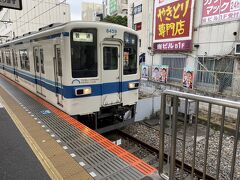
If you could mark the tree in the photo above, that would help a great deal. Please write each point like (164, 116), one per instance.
(116, 20)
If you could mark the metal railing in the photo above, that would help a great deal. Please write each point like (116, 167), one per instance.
(181, 151)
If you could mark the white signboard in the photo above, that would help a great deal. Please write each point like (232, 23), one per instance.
(11, 4)
(82, 37)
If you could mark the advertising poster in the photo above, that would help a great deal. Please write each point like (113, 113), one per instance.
(188, 75)
(125, 58)
(163, 74)
(155, 73)
(144, 72)
(173, 21)
(215, 11)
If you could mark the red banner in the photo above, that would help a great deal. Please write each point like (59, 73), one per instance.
(173, 25)
(217, 11)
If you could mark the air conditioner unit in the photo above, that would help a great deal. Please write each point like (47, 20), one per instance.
(237, 48)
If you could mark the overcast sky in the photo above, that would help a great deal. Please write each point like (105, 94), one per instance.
(75, 7)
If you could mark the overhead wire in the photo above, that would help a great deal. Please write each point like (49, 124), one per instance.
(43, 13)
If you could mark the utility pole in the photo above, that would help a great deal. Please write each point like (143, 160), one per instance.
(133, 27)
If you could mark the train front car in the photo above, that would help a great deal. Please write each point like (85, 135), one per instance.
(103, 74)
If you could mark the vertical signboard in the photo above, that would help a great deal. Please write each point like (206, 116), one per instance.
(113, 6)
(11, 4)
(173, 25)
(215, 11)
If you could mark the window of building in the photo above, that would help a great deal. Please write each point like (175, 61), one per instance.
(214, 71)
(8, 57)
(130, 54)
(176, 66)
(137, 9)
(110, 58)
(24, 59)
(84, 53)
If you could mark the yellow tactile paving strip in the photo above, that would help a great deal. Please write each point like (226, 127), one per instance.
(57, 162)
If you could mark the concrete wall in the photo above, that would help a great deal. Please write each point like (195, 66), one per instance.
(146, 107)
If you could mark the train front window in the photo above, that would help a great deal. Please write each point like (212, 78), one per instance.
(130, 54)
(84, 53)
(110, 58)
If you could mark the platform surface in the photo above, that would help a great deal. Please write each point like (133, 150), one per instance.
(17, 160)
(85, 154)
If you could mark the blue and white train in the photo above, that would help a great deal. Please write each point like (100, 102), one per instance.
(83, 68)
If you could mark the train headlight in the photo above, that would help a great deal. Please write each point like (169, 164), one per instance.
(83, 91)
(133, 85)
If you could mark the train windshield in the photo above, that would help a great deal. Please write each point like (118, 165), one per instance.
(130, 54)
(84, 53)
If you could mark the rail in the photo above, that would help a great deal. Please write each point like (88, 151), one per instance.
(179, 150)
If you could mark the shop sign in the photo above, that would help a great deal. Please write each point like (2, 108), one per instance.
(215, 11)
(113, 6)
(173, 25)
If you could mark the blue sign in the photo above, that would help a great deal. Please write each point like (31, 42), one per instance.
(45, 112)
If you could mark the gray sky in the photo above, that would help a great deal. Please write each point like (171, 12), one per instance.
(75, 7)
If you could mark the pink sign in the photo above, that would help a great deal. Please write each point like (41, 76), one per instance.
(215, 11)
(173, 46)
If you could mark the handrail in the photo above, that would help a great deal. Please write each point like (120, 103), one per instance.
(211, 100)
(172, 142)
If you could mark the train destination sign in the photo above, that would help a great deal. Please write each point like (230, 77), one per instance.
(82, 37)
(11, 4)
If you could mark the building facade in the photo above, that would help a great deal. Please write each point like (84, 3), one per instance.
(191, 36)
(115, 7)
(90, 11)
(35, 14)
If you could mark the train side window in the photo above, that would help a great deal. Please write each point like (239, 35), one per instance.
(8, 57)
(0, 57)
(84, 53)
(24, 60)
(110, 58)
(3, 60)
(14, 56)
(42, 61)
(36, 59)
(59, 61)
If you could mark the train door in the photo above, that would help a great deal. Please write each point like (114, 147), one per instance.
(111, 73)
(58, 74)
(39, 69)
(15, 65)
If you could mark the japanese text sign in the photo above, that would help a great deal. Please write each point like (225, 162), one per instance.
(173, 25)
(11, 4)
(215, 11)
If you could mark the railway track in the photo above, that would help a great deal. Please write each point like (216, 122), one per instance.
(154, 152)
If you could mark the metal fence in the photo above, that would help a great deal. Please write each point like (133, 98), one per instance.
(188, 152)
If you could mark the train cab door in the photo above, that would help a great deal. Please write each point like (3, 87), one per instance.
(57, 60)
(15, 65)
(111, 73)
(39, 69)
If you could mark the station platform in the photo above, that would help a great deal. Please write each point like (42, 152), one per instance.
(62, 147)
